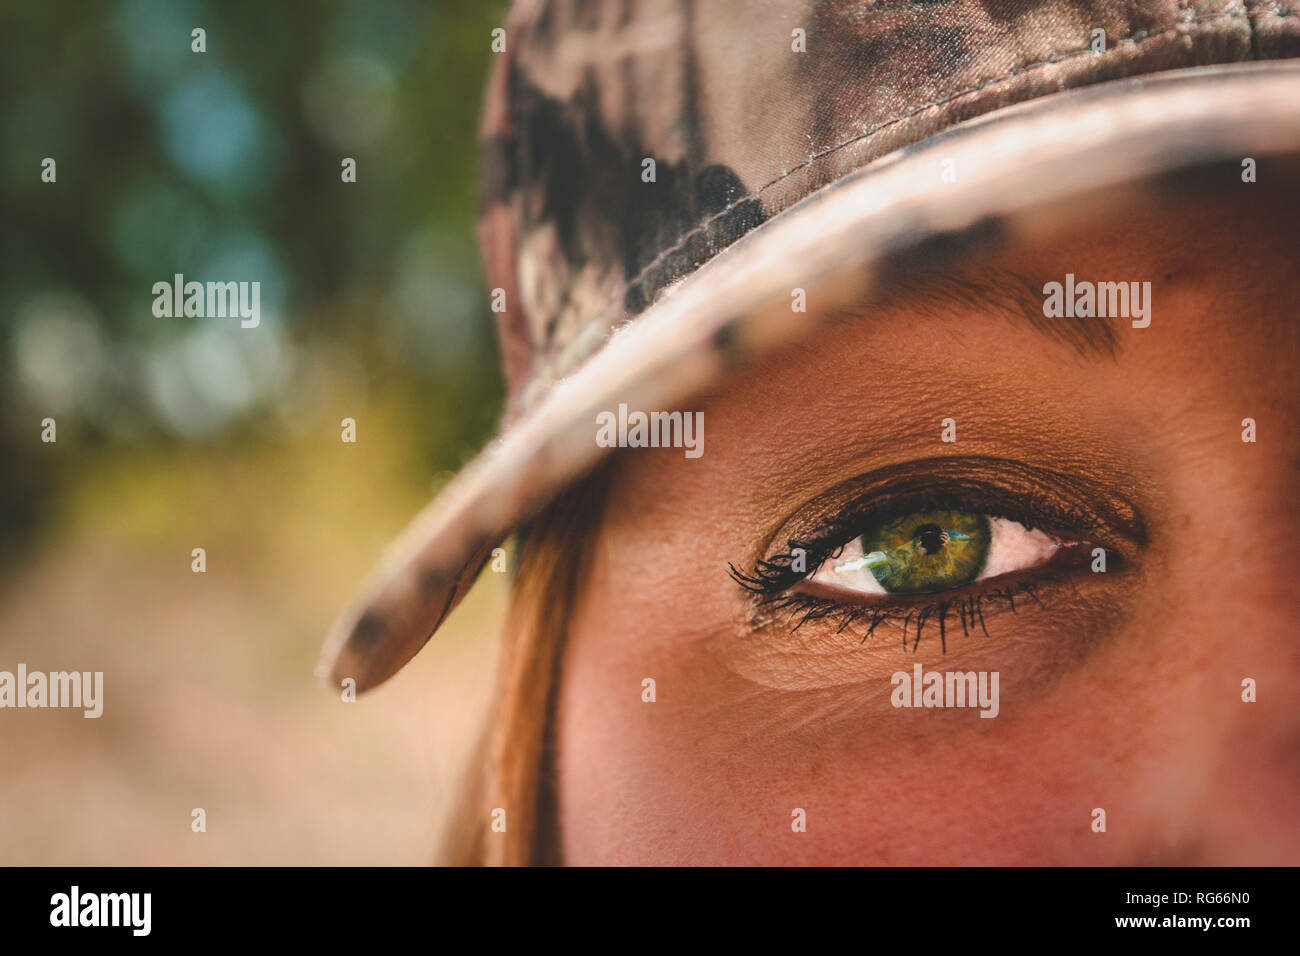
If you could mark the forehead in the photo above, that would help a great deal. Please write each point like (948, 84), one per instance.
(1204, 222)
(1219, 263)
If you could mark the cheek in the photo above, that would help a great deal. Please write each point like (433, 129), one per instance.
(626, 776)
(716, 768)
(716, 771)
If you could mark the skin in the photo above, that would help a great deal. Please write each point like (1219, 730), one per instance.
(1123, 691)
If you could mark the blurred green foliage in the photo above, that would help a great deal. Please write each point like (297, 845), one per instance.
(225, 165)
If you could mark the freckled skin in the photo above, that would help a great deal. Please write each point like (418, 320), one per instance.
(1144, 718)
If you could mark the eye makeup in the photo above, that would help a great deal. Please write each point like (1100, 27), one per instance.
(921, 530)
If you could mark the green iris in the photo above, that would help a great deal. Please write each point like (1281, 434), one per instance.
(927, 551)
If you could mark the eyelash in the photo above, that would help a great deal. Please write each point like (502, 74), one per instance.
(772, 578)
(968, 607)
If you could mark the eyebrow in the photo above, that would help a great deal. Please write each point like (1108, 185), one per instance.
(936, 294)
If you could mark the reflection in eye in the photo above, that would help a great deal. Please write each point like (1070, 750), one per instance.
(932, 551)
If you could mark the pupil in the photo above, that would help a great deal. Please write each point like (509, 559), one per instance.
(930, 537)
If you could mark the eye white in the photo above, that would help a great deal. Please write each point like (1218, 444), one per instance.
(1012, 547)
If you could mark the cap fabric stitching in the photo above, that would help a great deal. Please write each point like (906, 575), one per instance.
(1136, 40)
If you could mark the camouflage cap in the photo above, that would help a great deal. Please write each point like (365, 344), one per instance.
(658, 174)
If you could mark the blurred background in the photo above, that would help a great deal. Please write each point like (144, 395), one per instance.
(180, 433)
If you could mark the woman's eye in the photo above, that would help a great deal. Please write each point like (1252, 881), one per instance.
(935, 551)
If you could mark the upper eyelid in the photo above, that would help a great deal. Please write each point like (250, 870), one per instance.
(1083, 504)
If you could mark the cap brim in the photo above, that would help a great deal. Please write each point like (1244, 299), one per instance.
(1008, 164)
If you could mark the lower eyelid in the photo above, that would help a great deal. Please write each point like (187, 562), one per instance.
(969, 612)
(1038, 642)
